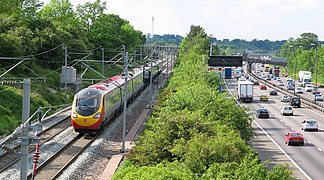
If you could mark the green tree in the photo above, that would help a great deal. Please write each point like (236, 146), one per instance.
(90, 12)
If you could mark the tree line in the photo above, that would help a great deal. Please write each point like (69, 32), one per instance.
(304, 54)
(27, 27)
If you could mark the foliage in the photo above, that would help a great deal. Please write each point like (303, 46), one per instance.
(306, 54)
(38, 34)
(166, 39)
(165, 170)
(196, 131)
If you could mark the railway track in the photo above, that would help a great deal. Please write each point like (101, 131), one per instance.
(11, 157)
(62, 159)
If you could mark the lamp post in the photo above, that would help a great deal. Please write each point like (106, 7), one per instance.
(316, 70)
(294, 71)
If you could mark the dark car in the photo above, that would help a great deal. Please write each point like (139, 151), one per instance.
(273, 92)
(256, 82)
(295, 102)
(316, 92)
(262, 113)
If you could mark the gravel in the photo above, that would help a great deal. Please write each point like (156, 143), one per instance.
(92, 163)
(46, 151)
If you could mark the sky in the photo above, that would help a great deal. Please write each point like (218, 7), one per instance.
(223, 19)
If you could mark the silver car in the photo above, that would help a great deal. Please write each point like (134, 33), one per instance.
(285, 98)
(318, 97)
(309, 124)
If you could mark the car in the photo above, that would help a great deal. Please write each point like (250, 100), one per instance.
(256, 82)
(280, 83)
(287, 110)
(290, 87)
(263, 87)
(309, 88)
(290, 82)
(309, 124)
(263, 113)
(316, 92)
(242, 78)
(278, 79)
(264, 98)
(295, 102)
(285, 98)
(318, 97)
(294, 138)
(273, 92)
(299, 90)
(289, 78)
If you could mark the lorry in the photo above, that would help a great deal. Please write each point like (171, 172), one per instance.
(228, 73)
(276, 71)
(266, 68)
(304, 77)
(245, 91)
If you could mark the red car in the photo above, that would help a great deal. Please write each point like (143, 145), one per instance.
(263, 87)
(294, 138)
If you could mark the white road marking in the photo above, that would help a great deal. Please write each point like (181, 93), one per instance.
(286, 124)
(309, 141)
(279, 147)
(292, 129)
(319, 149)
(280, 120)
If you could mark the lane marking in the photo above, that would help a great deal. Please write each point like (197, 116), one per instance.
(283, 151)
(292, 129)
(279, 147)
(319, 149)
(309, 141)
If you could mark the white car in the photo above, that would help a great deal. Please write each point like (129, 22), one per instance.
(280, 83)
(299, 90)
(287, 110)
(309, 124)
(278, 79)
(289, 78)
(309, 88)
(285, 98)
(318, 97)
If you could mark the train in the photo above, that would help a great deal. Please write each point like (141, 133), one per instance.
(93, 107)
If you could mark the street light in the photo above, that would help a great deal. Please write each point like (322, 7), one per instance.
(316, 59)
(294, 71)
(295, 67)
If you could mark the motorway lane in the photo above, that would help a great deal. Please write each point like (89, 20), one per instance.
(306, 112)
(307, 156)
(305, 94)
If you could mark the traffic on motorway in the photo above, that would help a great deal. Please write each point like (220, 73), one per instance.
(296, 128)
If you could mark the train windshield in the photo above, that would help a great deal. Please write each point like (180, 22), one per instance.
(88, 101)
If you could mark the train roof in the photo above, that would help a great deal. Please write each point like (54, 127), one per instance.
(115, 81)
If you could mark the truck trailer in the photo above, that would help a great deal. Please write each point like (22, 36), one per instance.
(304, 77)
(276, 71)
(245, 91)
(228, 73)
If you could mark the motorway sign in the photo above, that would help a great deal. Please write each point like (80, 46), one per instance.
(225, 61)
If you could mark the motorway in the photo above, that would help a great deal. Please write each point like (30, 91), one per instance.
(310, 157)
